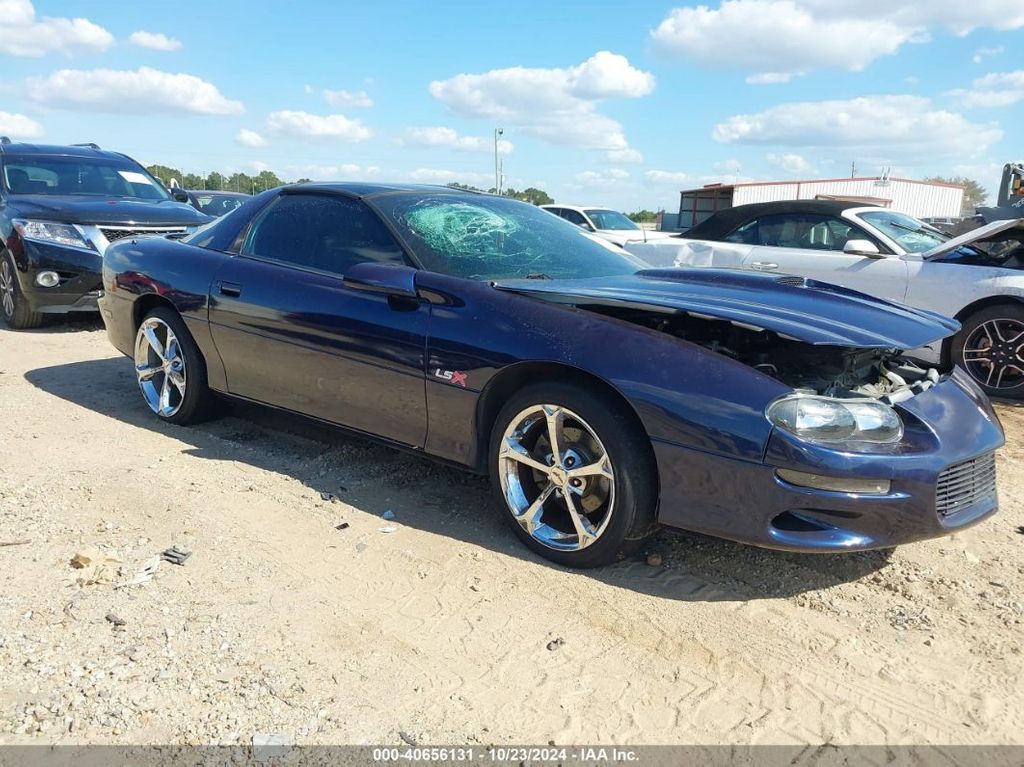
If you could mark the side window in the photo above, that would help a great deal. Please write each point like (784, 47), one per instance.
(320, 232)
(794, 230)
(574, 217)
(744, 235)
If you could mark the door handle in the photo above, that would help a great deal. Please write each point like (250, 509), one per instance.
(229, 289)
(764, 266)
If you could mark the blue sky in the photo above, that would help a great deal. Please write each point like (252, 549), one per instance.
(603, 103)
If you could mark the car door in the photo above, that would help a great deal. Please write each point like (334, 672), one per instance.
(291, 334)
(811, 245)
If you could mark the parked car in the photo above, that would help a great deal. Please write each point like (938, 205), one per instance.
(211, 203)
(601, 398)
(609, 224)
(976, 278)
(60, 206)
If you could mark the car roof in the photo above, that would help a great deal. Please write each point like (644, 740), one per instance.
(61, 150)
(370, 189)
(725, 221)
(576, 207)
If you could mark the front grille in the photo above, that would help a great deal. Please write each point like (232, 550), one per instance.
(965, 483)
(113, 234)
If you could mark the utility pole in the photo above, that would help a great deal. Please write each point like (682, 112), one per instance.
(853, 169)
(497, 168)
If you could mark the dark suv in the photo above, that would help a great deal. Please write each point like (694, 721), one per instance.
(60, 206)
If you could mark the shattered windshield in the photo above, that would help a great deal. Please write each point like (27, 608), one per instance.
(610, 219)
(490, 238)
(912, 235)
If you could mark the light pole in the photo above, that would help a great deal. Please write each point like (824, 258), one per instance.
(497, 170)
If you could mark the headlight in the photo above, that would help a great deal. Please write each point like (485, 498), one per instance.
(47, 231)
(831, 421)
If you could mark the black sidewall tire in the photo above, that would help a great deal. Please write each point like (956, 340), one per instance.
(199, 403)
(23, 318)
(972, 323)
(629, 448)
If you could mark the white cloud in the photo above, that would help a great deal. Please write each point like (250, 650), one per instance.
(983, 53)
(777, 39)
(442, 176)
(732, 166)
(305, 125)
(22, 34)
(998, 89)
(347, 98)
(771, 78)
(558, 105)
(307, 88)
(793, 164)
(901, 125)
(154, 41)
(668, 177)
(602, 178)
(18, 126)
(250, 138)
(625, 155)
(144, 91)
(343, 172)
(449, 138)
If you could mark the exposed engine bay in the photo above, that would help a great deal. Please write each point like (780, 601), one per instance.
(831, 371)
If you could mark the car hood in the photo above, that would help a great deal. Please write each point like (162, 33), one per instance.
(814, 312)
(982, 233)
(105, 210)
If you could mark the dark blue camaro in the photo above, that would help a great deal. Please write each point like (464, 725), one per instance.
(602, 398)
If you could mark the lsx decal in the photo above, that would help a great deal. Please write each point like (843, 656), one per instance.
(451, 376)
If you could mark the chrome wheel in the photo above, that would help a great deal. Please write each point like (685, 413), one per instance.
(556, 477)
(994, 353)
(160, 367)
(7, 288)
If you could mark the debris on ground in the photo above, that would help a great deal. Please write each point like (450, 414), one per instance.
(388, 529)
(98, 567)
(22, 542)
(115, 619)
(175, 556)
(342, 526)
(143, 574)
(331, 497)
(269, 745)
(654, 559)
(555, 643)
(388, 515)
(900, 617)
(410, 740)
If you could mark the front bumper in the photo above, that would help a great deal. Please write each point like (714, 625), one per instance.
(79, 270)
(747, 502)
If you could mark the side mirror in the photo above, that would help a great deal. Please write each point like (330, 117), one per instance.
(862, 248)
(586, 227)
(385, 279)
(179, 194)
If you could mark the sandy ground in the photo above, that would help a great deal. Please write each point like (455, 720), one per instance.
(445, 630)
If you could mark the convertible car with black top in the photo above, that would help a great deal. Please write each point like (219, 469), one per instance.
(602, 398)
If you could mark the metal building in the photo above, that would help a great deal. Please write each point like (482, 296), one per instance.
(918, 198)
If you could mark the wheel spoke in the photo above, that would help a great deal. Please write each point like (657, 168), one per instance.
(599, 468)
(555, 417)
(154, 343)
(178, 380)
(171, 349)
(584, 530)
(165, 395)
(514, 450)
(530, 519)
(146, 372)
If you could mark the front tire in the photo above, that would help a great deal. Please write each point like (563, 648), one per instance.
(13, 305)
(990, 347)
(171, 370)
(589, 500)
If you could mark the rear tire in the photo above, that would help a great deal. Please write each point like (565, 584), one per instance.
(171, 370)
(13, 305)
(990, 347)
(605, 467)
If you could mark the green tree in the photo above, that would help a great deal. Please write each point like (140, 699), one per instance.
(974, 193)
(165, 174)
(215, 181)
(643, 216)
(267, 180)
(532, 195)
(464, 187)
